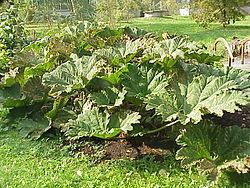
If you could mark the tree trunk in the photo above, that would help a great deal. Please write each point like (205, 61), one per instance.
(73, 6)
(224, 14)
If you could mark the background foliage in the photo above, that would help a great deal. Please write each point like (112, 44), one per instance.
(222, 11)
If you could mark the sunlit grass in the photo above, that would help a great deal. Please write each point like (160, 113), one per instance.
(186, 26)
(46, 163)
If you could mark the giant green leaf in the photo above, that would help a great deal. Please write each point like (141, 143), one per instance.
(32, 128)
(167, 52)
(143, 80)
(214, 148)
(124, 121)
(58, 104)
(165, 104)
(135, 32)
(11, 96)
(18, 113)
(109, 97)
(62, 117)
(116, 77)
(121, 53)
(202, 95)
(240, 77)
(169, 48)
(34, 90)
(88, 123)
(72, 75)
(204, 57)
(39, 69)
(93, 122)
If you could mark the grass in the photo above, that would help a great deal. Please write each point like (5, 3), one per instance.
(186, 26)
(45, 163)
(180, 25)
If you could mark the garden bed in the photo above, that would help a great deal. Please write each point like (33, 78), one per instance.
(157, 145)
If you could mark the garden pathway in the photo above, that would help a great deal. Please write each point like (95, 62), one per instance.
(237, 64)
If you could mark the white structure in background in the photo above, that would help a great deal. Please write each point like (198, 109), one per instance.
(184, 11)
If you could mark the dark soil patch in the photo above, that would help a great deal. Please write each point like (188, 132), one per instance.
(137, 147)
(121, 149)
(126, 148)
(239, 118)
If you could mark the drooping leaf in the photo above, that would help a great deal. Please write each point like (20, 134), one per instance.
(137, 32)
(11, 96)
(165, 105)
(18, 113)
(240, 77)
(204, 57)
(144, 80)
(72, 75)
(89, 123)
(34, 129)
(39, 69)
(169, 49)
(62, 117)
(167, 52)
(58, 104)
(215, 148)
(116, 77)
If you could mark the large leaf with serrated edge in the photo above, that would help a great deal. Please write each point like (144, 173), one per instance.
(34, 90)
(109, 97)
(121, 53)
(215, 148)
(12, 96)
(240, 77)
(143, 80)
(72, 75)
(33, 128)
(202, 95)
(92, 122)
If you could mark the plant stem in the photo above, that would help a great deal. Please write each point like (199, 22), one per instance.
(161, 128)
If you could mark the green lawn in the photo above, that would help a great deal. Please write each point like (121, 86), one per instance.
(180, 25)
(186, 26)
(45, 163)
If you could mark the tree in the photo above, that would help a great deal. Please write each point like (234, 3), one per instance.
(222, 11)
(112, 11)
(10, 2)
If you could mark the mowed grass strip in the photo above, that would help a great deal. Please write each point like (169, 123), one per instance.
(182, 25)
(45, 163)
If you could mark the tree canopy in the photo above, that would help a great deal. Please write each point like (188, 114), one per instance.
(222, 11)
